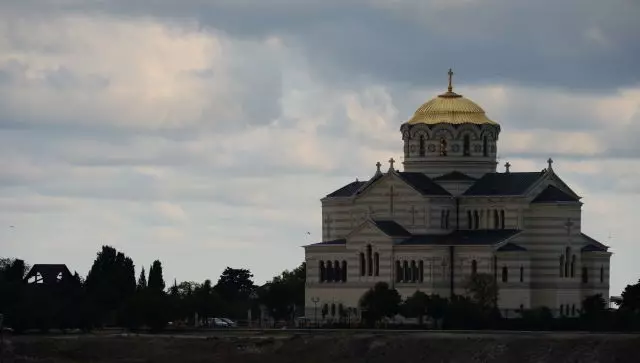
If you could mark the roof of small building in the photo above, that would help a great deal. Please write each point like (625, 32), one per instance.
(504, 183)
(49, 272)
(348, 190)
(553, 194)
(391, 228)
(462, 238)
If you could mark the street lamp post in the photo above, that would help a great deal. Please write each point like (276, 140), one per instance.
(315, 301)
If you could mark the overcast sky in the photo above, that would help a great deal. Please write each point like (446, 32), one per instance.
(204, 133)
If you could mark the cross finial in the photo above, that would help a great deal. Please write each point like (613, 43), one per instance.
(507, 165)
(450, 73)
(391, 161)
(378, 165)
(550, 161)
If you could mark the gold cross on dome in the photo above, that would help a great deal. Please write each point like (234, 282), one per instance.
(450, 73)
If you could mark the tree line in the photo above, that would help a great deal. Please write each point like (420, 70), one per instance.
(478, 309)
(112, 295)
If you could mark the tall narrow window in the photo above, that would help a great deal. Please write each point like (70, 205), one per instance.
(567, 253)
(469, 220)
(421, 146)
(573, 309)
(344, 271)
(573, 266)
(496, 219)
(474, 267)
(502, 218)
(495, 268)
(369, 261)
(323, 272)
(521, 274)
(561, 309)
(376, 264)
(561, 266)
(398, 271)
(337, 275)
(414, 271)
(505, 274)
(362, 264)
(446, 220)
(329, 271)
(407, 272)
(485, 147)
(476, 219)
(601, 274)
(443, 147)
(421, 270)
(585, 275)
(466, 147)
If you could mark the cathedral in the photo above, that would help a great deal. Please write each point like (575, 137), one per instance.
(450, 214)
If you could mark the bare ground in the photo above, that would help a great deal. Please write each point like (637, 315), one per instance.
(327, 347)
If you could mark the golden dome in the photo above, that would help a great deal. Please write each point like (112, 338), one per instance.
(450, 108)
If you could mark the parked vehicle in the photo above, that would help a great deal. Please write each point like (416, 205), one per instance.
(230, 322)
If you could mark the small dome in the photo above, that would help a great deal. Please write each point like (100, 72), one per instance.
(450, 108)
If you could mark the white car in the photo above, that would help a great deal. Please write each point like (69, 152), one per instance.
(230, 322)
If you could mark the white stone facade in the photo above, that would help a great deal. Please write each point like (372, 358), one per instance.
(449, 213)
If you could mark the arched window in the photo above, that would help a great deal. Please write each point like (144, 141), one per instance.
(573, 309)
(476, 217)
(329, 271)
(601, 274)
(485, 147)
(407, 272)
(361, 264)
(421, 146)
(573, 266)
(333, 309)
(561, 309)
(505, 274)
(323, 272)
(502, 218)
(369, 261)
(496, 219)
(376, 264)
(561, 265)
(495, 268)
(585, 275)
(469, 219)
(474, 267)
(443, 147)
(446, 219)
(521, 274)
(466, 145)
(421, 270)
(398, 271)
(567, 253)
(344, 271)
(337, 274)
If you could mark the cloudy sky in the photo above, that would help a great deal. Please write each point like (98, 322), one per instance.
(203, 133)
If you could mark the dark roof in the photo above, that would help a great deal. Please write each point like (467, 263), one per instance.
(454, 176)
(504, 183)
(392, 228)
(593, 245)
(348, 190)
(511, 247)
(419, 181)
(335, 242)
(462, 238)
(553, 194)
(49, 273)
(423, 183)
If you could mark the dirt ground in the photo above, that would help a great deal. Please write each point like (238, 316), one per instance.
(327, 347)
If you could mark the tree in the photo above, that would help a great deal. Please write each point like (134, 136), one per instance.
(380, 301)
(156, 281)
(142, 281)
(437, 308)
(235, 287)
(415, 306)
(284, 293)
(483, 289)
(631, 298)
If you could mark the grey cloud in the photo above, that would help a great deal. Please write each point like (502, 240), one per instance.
(575, 44)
